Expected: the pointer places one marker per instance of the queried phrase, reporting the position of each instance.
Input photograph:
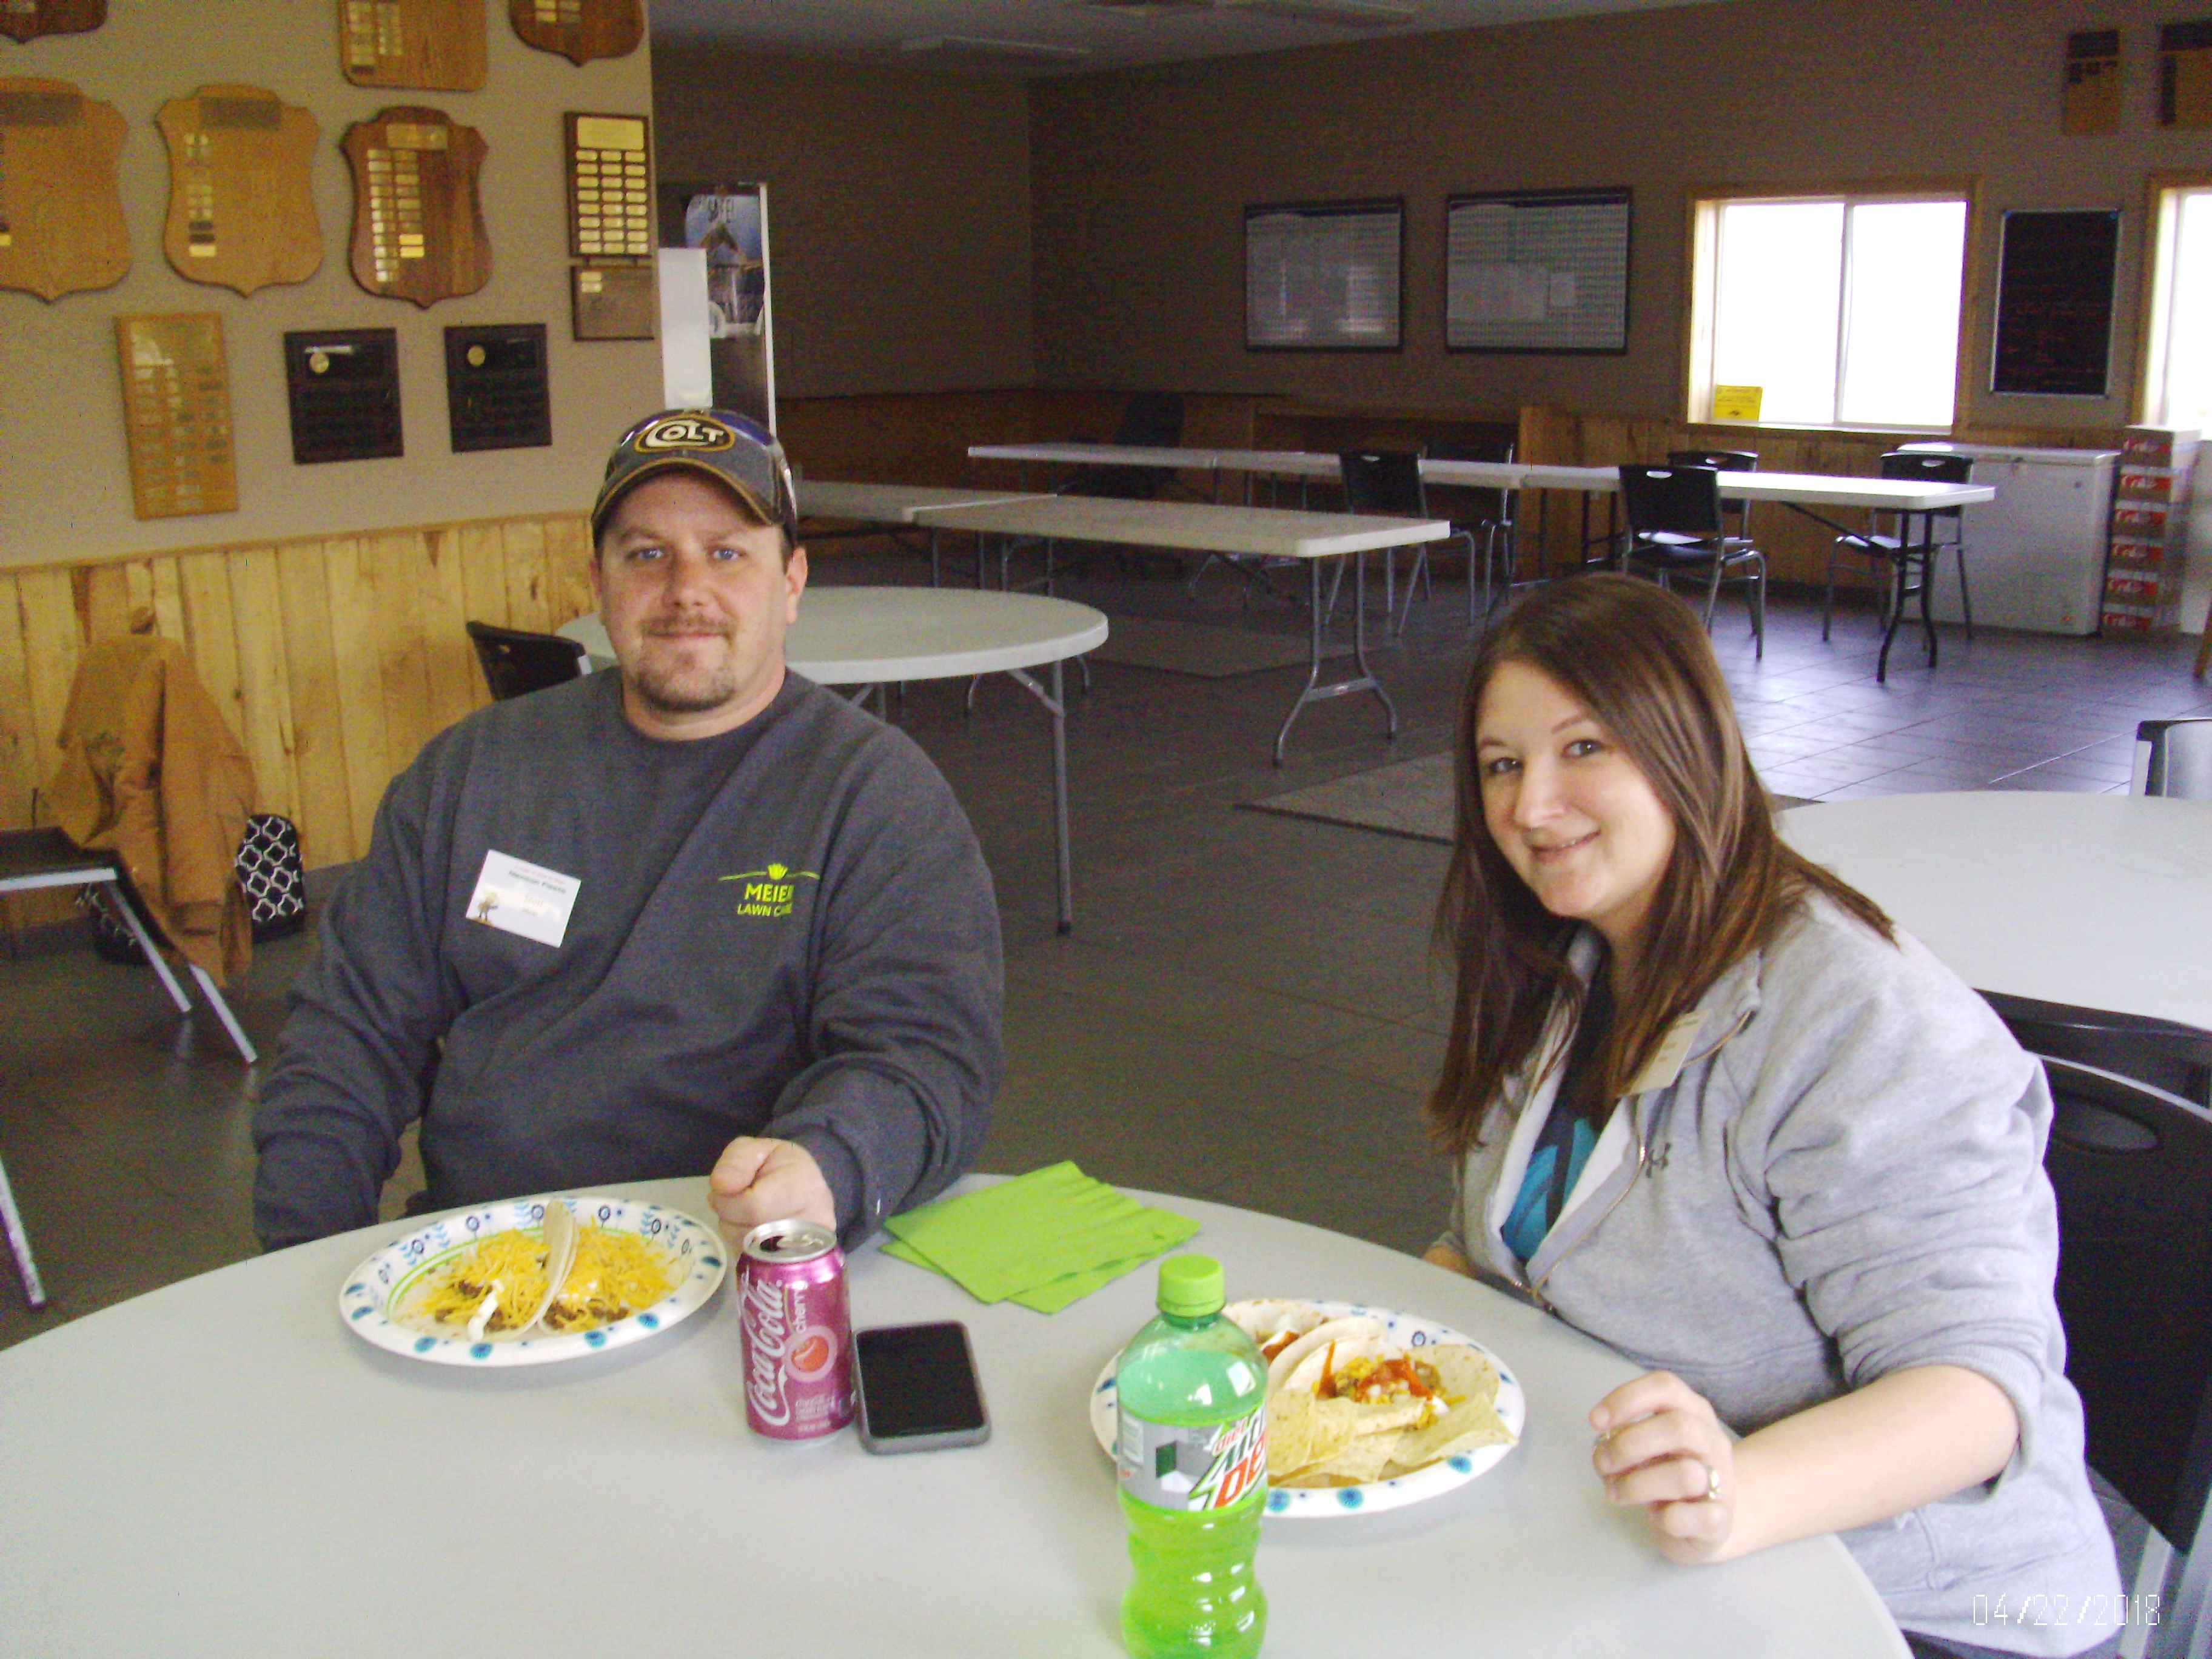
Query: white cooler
(2035, 556)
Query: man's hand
(757, 1180)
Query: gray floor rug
(1210, 652)
(1412, 798)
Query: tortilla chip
(1304, 1430)
(1469, 1384)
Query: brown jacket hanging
(149, 770)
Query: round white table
(876, 637)
(2100, 901)
(220, 1468)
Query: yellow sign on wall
(1737, 403)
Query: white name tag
(524, 899)
(1667, 1060)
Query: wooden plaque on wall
(418, 224)
(2185, 74)
(2092, 82)
(612, 302)
(176, 406)
(431, 46)
(26, 20)
(610, 187)
(578, 30)
(242, 191)
(61, 212)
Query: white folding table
(901, 505)
(1246, 532)
(222, 1468)
(871, 637)
(2097, 902)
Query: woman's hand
(1661, 1445)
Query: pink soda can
(796, 1332)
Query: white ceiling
(874, 29)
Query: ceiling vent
(1343, 14)
(1340, 14)
(965, 52)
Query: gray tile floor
(1249, 1009)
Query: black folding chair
(516, 662)
(1909, 565)
(1387, 481)
(1724, 460)
(1675, 527)
(1493, 524)
(2132, 1169)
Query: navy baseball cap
(736, 451)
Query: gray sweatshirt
(1844, 1179)
(785, 930)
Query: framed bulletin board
(1325, 276)
(2054, 326)
(1538, 271)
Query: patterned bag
(269, 872)
(274, 880)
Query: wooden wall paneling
(567, 567)
(52, 642)
(103, 594)
(19, 772)
(483, 579)
(168, 597)
(265, 725)
(394, 561)
(211, 633)
(325, 812)
(526, 603)
(356, 639)
(138, 581)
(448, 659)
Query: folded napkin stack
(1044, 1239)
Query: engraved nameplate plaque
(418, 225)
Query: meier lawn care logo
(769, 892)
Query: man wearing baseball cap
(697, 915)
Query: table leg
(19, 1241)
(121, 906)
(1056, 703)
(1365, 680)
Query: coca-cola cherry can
(796, 1332)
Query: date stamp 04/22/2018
(2103, 1612)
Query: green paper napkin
(1044, 1240)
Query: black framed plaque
(2054, 326)
(343, 387)
(496, 395)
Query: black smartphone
(918, 1387)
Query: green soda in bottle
(1192, 1454)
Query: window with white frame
(2178, 381)
(1841, 310)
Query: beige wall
(898, 211)
(1141, 178)
(64, 478)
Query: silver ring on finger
(1712, 1484)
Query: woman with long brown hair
(1711, 1107)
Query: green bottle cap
(1190, 1286)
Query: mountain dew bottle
(1192, 1454)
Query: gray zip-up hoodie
(1845, 1179)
